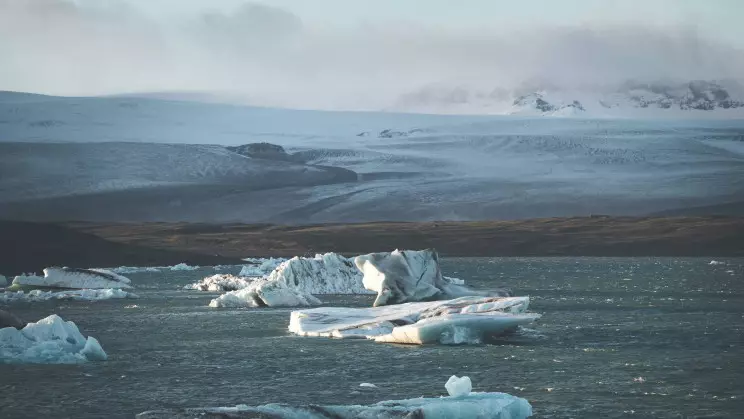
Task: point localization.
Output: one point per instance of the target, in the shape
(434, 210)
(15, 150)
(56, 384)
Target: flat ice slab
(471, 406)
(76, 295)
(51, 340)
(411, 275)
(457, 321)
(73, 278)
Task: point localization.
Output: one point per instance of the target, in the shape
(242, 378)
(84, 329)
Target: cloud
(271, 57)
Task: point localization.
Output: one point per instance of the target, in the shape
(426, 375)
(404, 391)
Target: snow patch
(476, 318)
(49, 341)
(73, 278)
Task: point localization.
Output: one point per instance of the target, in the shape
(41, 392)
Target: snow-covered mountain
(148, 159)
(694, 99)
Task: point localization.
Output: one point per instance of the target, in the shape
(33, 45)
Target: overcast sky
(359, 53)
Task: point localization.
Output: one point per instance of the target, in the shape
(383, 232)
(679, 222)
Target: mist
(267, 56)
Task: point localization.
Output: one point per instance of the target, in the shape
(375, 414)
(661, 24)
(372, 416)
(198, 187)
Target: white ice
(716, 262)
(466, 406)
(458, 386)
(73, 278)
(328, 273)
(183, 267)
(76, 295)
(49, 341)
(265, 293)
(409, 275)
(221, 282)
(260, 266)
(457, 321)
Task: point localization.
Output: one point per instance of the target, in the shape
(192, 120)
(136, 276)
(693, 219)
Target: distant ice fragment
(265, 293)
(72, 278)
(183, 267)
(457, 321)
(458, 386)
(51, 340)
(716, 262)
(410, 275)
(369, 385)
(134, 269)
(77, 295)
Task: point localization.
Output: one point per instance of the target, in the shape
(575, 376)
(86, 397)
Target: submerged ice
(72, 278)
(411, 275)
(457, 321)
(462, 405)
(51, 340)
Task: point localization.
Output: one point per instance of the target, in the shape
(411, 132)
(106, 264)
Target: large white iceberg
(72, 278)
(465, 406)
(265, 293)
(77, 295)
(410, 275)
(457, 321)
(49, 341)
(328, 273)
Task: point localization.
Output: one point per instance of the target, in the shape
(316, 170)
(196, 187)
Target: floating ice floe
(77, 295)
(49, 341)
(182, 267)
(72, 278)
(457, 321)
(221, 282)
(463, 406)
(265, 293)
(410, 275)
(716, 262)
(134, 269)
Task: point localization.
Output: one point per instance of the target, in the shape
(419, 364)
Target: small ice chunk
(458, 386)
(369, 385)
(183, 267)
(716, 262)
(221, 282)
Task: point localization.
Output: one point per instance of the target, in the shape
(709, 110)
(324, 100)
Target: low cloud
(268, 56)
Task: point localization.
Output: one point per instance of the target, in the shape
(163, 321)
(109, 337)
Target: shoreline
(28, 247)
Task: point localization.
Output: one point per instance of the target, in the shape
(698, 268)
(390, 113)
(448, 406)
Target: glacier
(51, 340)
(75, 295)
(411, 275)
(265, 293)
(72, 278)
(463, 404)
(458, 321)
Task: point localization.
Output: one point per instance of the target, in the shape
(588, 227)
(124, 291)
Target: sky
(361, 54)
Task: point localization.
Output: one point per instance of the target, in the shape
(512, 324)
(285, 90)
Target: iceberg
(51, 340)
(72, 278)
(458, 321)
(76, 295)
(328, 273)
(183, 267)
(260, 267)
(411, 275)
(265, 293)
(221, 282)
(458, 386)
(463, 406)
